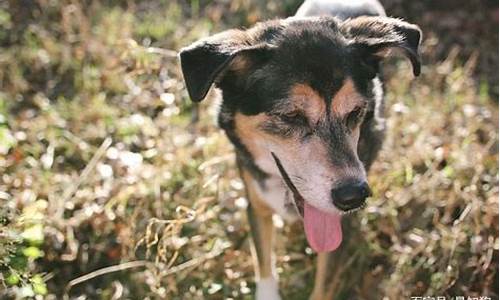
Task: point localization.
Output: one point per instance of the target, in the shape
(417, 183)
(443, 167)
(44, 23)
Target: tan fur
(246, 129)
(319, 289)
(260, 217)
(240, 64)
(307, 100)
(258, 204)
(346, 99)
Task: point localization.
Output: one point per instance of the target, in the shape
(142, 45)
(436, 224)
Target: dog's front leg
(319, 290)
(261, 226)
(324, 280)
(260, 217)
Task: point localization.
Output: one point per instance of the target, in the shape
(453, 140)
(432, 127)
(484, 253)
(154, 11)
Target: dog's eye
(354, 117)
(293, 118)
(290, 123)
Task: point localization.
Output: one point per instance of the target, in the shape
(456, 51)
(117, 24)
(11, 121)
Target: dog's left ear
(378, 35)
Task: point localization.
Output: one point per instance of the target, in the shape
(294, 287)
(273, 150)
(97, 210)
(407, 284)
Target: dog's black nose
(351, 195)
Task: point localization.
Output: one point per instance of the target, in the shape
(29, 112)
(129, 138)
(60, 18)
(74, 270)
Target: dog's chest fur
(277, 196)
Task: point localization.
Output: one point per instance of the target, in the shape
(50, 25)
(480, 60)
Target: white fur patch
(378, 94)
(267, 289)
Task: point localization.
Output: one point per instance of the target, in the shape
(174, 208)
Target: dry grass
(102, 166)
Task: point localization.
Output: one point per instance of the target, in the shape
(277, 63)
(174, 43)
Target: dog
(302, 103)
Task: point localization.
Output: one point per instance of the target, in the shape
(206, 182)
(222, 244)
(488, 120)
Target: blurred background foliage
(114, 186)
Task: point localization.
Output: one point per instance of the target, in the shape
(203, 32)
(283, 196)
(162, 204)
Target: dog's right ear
(205, 61)
(379, 34)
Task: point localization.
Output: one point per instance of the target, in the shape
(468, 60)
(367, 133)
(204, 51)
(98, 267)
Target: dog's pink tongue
(323, 230)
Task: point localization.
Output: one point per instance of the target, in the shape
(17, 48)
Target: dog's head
(296, 92)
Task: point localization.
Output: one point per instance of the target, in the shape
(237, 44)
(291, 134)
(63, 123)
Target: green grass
(97, 150)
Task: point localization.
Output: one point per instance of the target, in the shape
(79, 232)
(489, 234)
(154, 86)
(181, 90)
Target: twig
(216, 251)
(106, 270)
(162, 51)
(68, 193)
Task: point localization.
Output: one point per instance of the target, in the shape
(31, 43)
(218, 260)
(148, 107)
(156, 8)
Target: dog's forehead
(315, 53)
(312, 47)
(310, 57)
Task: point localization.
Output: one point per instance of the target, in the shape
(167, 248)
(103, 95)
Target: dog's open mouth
(323, 229)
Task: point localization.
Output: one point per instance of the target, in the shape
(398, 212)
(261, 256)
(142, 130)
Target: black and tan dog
(302, 105)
